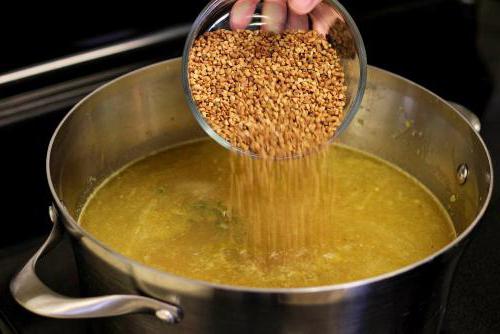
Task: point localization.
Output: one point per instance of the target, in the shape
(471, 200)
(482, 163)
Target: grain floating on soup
(201, 212)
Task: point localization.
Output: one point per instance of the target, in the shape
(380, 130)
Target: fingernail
(274, 16)
(241, 14)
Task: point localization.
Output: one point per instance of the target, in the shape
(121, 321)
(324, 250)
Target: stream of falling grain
(276, 231)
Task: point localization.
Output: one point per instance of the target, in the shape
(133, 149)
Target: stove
(46, 66)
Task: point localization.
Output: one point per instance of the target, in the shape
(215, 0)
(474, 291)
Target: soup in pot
(199, 211)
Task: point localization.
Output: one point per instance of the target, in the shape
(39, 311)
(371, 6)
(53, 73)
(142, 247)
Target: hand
(279, 15)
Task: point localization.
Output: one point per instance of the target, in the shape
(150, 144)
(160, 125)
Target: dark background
(450, 47)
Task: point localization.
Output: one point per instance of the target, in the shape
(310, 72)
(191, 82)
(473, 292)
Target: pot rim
(76, 228)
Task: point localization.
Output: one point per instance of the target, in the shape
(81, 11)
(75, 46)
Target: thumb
(302, 7)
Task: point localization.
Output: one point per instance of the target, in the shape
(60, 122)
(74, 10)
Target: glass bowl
(328, 16)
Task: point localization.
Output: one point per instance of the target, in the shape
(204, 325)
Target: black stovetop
(451, 47)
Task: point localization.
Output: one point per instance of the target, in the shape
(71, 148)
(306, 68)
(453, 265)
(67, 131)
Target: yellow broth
(201, 212)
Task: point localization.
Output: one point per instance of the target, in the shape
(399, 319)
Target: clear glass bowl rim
(205, 15)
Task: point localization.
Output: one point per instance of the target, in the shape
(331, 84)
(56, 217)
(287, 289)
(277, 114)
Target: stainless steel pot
(145, 111)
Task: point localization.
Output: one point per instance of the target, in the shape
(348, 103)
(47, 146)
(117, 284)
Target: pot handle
(31, 293)
(469, 115)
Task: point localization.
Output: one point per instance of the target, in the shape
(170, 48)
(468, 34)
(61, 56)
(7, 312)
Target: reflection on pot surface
(327, 218)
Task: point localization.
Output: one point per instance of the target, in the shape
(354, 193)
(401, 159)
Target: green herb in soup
(199, 211)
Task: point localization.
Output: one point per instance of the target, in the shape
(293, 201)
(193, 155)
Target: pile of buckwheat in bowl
(272, 94)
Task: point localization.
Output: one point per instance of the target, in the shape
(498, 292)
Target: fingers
(297, 22)
(241, 13)
(302, 7)
(323, 17)
(274, 15)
